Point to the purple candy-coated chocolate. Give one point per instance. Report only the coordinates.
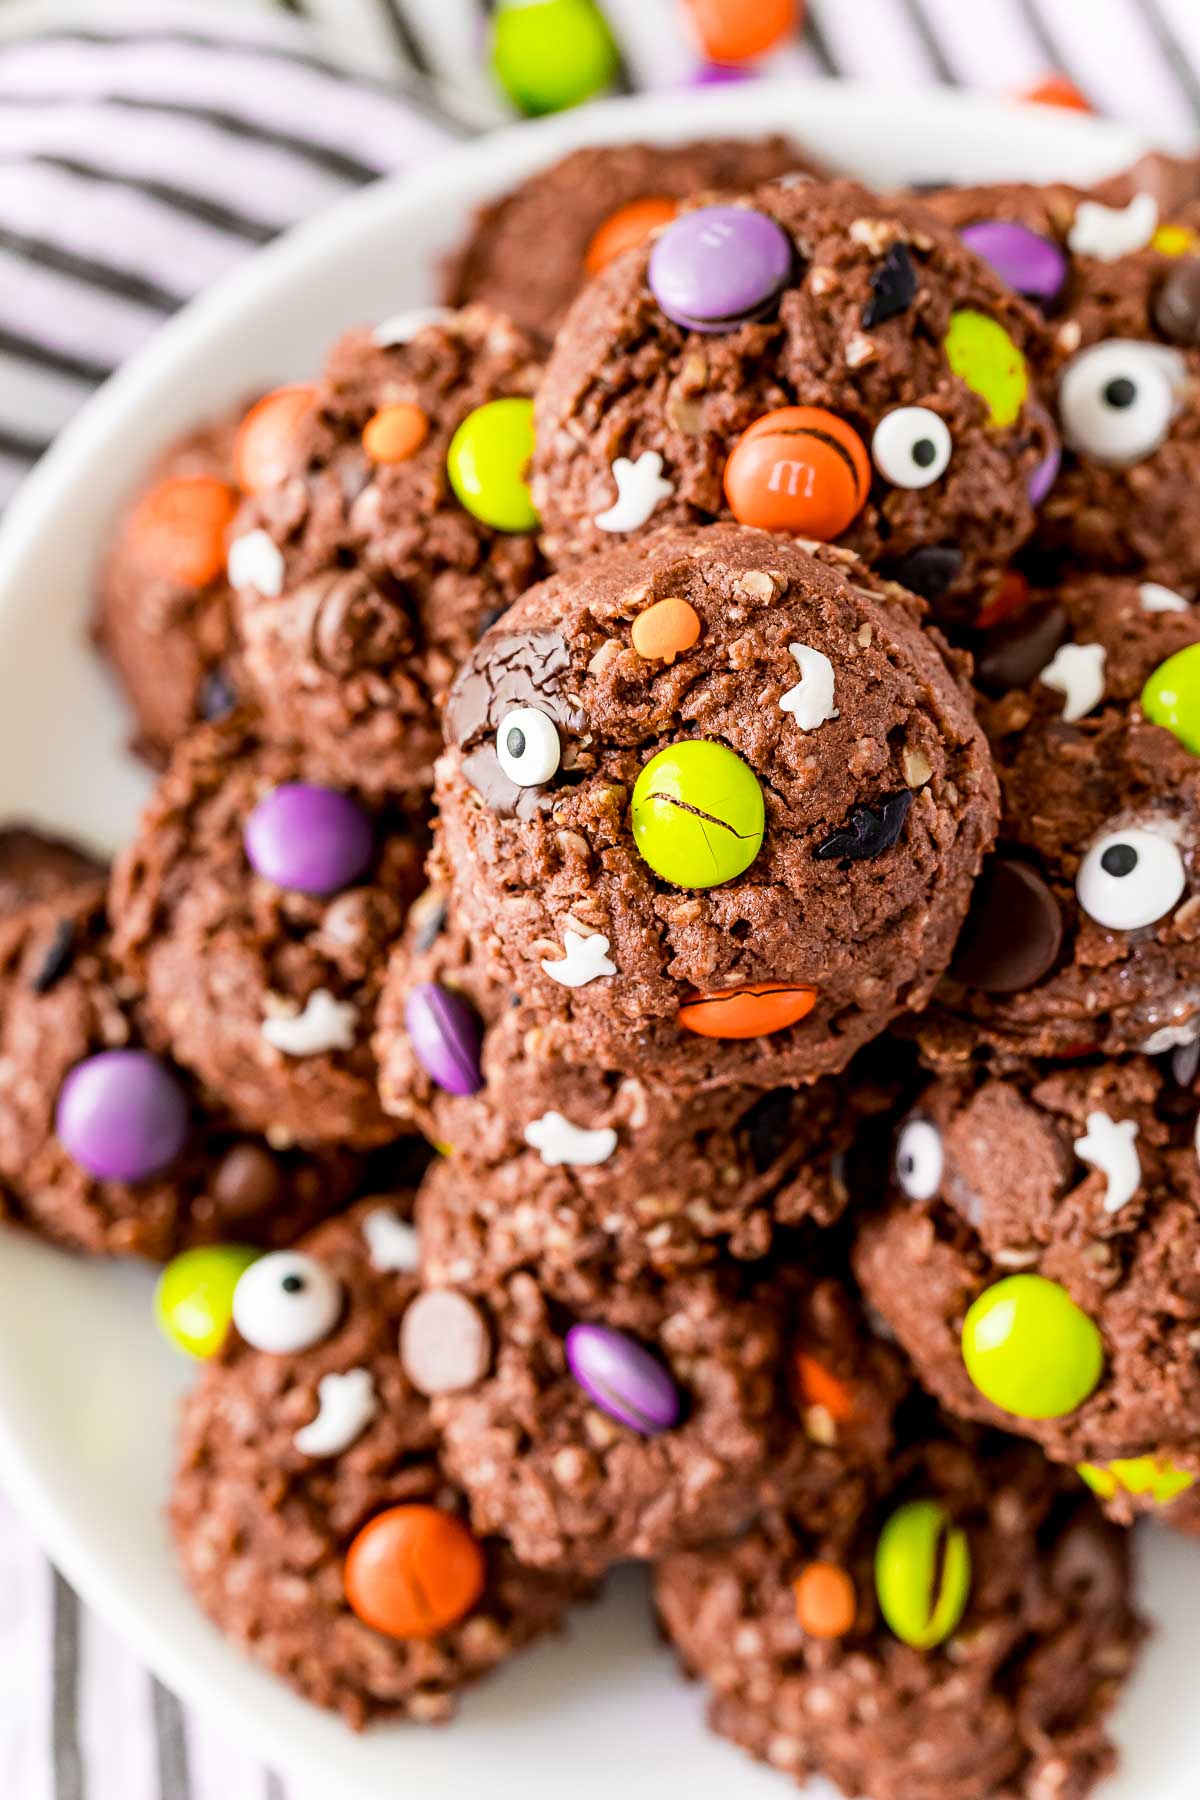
(445, 1034)
(1030, 263)
(1045, 475)
(714, 268)
(720, 75)
(314, 840)
(623, 1379)
(122, 1115)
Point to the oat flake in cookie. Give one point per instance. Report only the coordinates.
(1037, 1255)
(105, 1147)
(1083, 929)
(817, 361)
(311, 1510)
(794, 1631)
(256, 906)
(773, 810)
(529, 253)
(362, 580)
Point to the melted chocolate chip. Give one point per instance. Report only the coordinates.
(58, 957)
(869, 830)
(247, 1182)
(218, 696)
(516, 669)
(1013, 932)
(1176, 306)
(1015, 653)
(929, 570)
(893, 287)
(768, 1126)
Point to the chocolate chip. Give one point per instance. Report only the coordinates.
(1015, 653)
(868, 832)
(57, 959)
(1176, 305)
(218, 697)
(929, 570)
(768, 1126)
(247, 1182)
(893, 287)
(356, 625)
(1013, 931)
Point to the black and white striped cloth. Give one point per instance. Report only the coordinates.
(144, 149)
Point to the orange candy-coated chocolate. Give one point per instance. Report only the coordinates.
(734, 30)
(665, 629)
(179, 528)
(1056, 90)
(801, 470)
(755, 1010)
(819, 1388)
(262, 447)
(826, 1604)
(413, 1571)
(628, 226)
(1009, 597)
(395, 433)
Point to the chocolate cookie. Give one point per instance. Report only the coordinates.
(35, 867)
(595, 1424)
(107, 1148)
(817, 361)
(1084, 932)
(1037, 1255)
(964, 1638)
(362, 579)
(256, 906)
(713, 808)
(164, 608)
(312, 1511)
(575, 1165)
(529, 252)
(1121, 283)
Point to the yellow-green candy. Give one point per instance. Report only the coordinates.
(193, 1301)
(1030, 1350)
(922, 1573)
(1171, 697)
(982, 354)
(487, 460)
(1147, 1477)
(551, 54)
(697, 814)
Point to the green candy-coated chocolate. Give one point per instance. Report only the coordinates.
(193, 1302)
(1147, 1477)
(552, 54)
(487, 460)
(982, 354)
(697, 814)
(1030, 1350)
(922, 1573)
(1171, 696)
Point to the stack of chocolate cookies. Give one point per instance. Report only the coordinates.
(656, 1003)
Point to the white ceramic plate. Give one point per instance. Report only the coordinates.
(87, 1390)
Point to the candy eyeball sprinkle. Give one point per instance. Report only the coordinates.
(1130, 877)
(527, 746)
(286, 1302)
(1116, 400)
(911, 447)
(919, 1159)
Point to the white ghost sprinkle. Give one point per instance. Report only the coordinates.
(584, 959)
(347, 1406)
(1108, 232)
(325, 1024)
(1109, 1147)
(403, 327)
(1076, 671)
(1156, 598)
(1171, 1037)
(255, 561)
(640, 488)
(557, 1141)
(810, 702)
(392, 1243)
